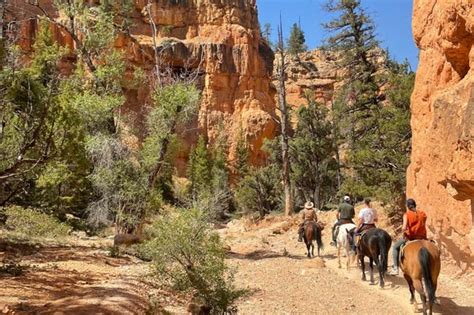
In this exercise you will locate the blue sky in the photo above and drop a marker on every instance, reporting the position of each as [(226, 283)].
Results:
[(392, 19)]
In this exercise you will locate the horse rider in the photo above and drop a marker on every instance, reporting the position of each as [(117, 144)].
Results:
[(345, 214), (307, 215), (414, 228), (367, 218)]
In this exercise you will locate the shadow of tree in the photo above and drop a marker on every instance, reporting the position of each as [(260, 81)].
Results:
[(263, 254)]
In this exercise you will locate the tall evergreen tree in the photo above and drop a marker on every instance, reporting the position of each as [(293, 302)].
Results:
[(312, 154), (199, 168), (266, 32), (371, 109), (296, 42), (353, 40), (284, 124)]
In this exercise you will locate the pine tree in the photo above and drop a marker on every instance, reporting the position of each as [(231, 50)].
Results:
[(266, 32), (296, 42), (312, 153), (284, 124), (242, 156), (353, 40), (199, 169), (373, 121)]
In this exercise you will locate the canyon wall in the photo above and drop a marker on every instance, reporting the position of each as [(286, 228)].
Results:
[(441, 173), (219, 40)]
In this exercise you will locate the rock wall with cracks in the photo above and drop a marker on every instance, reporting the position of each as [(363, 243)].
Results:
[(221, 38), (441, 173)]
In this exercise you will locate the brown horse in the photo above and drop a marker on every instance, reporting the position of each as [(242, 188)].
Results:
[(374, 244), (312, 231), (421, 260)]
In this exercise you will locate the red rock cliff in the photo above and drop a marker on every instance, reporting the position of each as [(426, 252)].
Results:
[(441, 174), (222, 39)]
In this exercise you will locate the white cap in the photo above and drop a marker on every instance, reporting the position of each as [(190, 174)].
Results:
[(347, 198)]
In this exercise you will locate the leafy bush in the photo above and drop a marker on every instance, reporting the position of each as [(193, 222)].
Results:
[(189, 256), (260, 191), (13, 269), (33, 223)]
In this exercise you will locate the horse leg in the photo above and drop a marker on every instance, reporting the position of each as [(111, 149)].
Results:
[(348, 257), (312, 249), (362, 266), (410, 286), (371, 265), (339, 254), (380, 269), (419, 288), (308, 248)]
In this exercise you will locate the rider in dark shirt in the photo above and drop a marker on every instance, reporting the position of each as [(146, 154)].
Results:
[(345, 214)]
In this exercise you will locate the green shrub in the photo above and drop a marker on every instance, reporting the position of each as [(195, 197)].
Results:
[(13, 269), (34, 223), (188, 255), (260, 191)]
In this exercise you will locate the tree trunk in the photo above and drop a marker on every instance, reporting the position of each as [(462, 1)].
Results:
[(284, 126), (162, 153), (317, 196), (338, 159)]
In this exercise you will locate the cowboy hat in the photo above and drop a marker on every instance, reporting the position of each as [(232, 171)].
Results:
[(308, 205)]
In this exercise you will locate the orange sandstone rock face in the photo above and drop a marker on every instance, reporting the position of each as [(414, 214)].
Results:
[(313, 71), (220, 39), (441, 173)]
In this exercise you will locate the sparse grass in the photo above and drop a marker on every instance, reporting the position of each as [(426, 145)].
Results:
[(32, 223), (114, 251), (13, 269)]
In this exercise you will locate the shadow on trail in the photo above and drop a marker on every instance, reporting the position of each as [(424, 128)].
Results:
[(448, 306), (73, 292), (263, 254)]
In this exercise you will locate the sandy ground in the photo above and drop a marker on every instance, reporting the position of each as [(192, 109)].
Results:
[(273, 266), (80, 278), (77, 278)]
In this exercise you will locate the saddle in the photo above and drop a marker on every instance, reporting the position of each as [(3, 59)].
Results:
[(358, 237), (402, 248), (318, 224)]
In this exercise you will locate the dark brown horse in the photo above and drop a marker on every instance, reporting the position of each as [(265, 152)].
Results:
[(374, 244), (312, 231), (421, 260)]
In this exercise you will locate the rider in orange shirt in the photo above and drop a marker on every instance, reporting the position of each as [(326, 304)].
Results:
[(414, 228)]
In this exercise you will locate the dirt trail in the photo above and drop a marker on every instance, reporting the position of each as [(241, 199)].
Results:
[(272, 264), (72, 279), (81, 279)]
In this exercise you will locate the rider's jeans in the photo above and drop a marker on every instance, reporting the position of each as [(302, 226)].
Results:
[(396, 251)]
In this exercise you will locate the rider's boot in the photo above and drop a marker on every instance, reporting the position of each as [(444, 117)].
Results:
[(333, 242), (394, 271), (300, 237)]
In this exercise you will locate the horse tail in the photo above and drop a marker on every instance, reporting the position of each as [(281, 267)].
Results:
[(383, 253), (317, 236), (424, 257)]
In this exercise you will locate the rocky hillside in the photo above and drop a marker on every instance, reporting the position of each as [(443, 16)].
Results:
[(441, 174), (220, 39), (315, 71)]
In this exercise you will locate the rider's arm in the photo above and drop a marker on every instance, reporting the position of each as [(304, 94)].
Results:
[(359, 224), (404, 225)]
